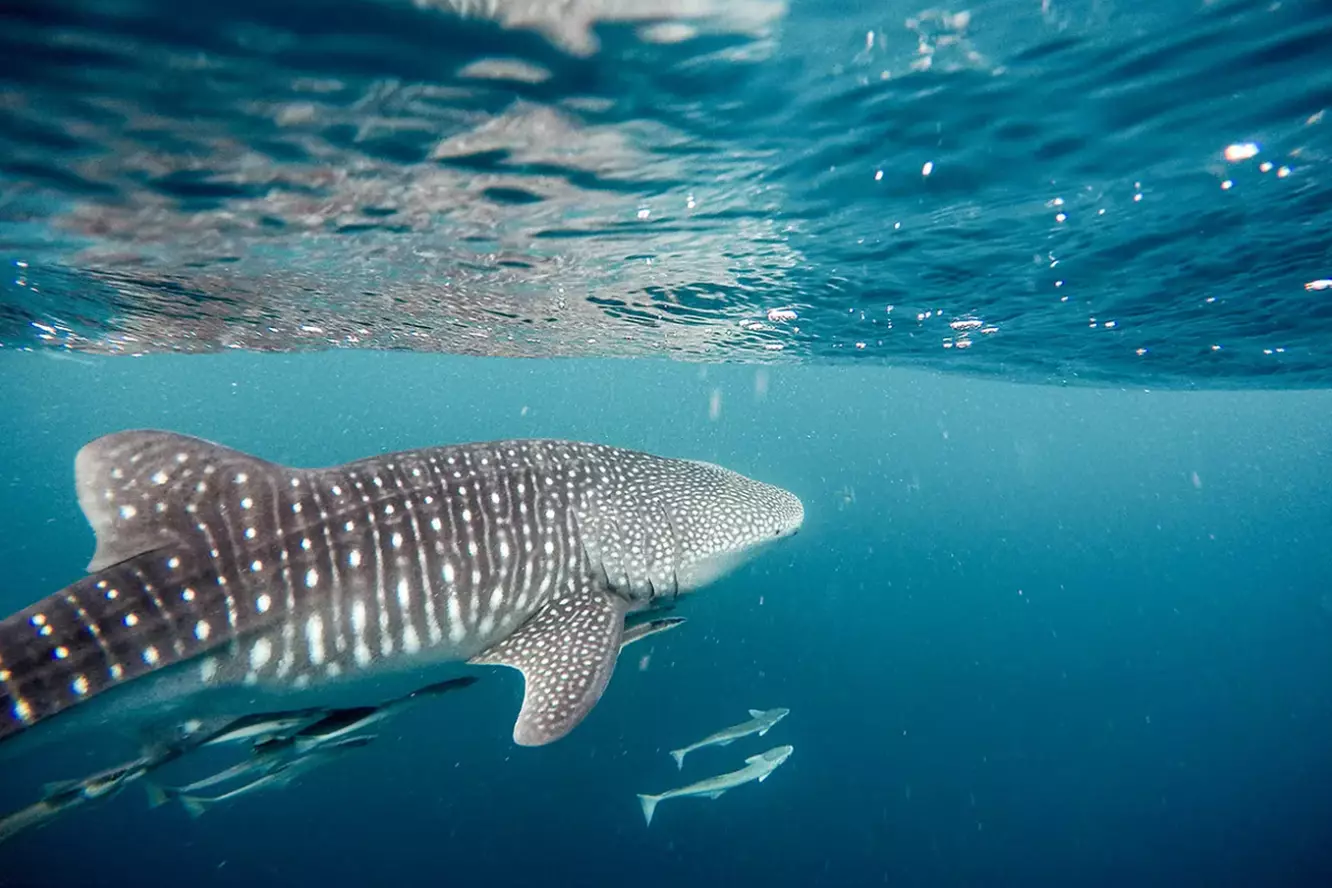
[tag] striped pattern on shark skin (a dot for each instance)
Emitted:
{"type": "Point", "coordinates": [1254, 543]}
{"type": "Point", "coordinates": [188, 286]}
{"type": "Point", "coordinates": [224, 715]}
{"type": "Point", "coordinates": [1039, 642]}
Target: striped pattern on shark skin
{"type": "Point", "coordinates": [267, 574]}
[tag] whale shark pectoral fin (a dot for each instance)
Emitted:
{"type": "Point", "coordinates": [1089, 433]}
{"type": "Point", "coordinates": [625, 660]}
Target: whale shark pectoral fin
{"type": "Point", "coordinates": [566, 654]}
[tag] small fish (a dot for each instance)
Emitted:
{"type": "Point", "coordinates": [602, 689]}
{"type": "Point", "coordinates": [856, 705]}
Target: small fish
{"type": "Point", "coordinates": [640, 631]}
{"type": "Point", "coordinates": [281, 775]}
{"type": "Point", "coordinates": [69, 794]}
{"type": "Point", "coordinates": [340, 723]}
{"type": "Point", "coordinates": [262, 727]}
{"type": "Point", "coordinates": [39, 813]}
{"type": "Point", "coordinates": [274, 748]}
{"type": "Point", "coordinates": [273, 755]}
{"type": "Point", "coordinates": [760, 722]}
{"type": "Point", "coordinates": [757, 767]}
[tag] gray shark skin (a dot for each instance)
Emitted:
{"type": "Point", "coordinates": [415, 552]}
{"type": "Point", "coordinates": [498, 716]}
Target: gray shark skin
{"type": "Point", "coordinates": [216, 571]}
{"type": "Point", "coordinates": [757, 767]}
{"type": "Point", "coordinates": [760, 722]}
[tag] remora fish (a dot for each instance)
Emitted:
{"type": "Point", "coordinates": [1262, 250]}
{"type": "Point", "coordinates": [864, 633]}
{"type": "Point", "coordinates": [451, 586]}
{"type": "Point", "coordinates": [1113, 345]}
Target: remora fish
{"type": "Point", "coordinates": [757, 767]}
{"type": "Point", "coordinates": [273, 745]}
{"type": "Point", "coordinates": [640, 631]}
{"type": "Point", "coordinates": [262, 761]}
{"type": "Point", "coordinates": [341, 722]}
{"type": "Point", "coordinates": [280, 775]}
{"type": "Point", "coordinates": [229, 580]}
{"type": "Point", "coordinates": [760, 722]}
{"type": "Point", "coordinates": [66, 795]}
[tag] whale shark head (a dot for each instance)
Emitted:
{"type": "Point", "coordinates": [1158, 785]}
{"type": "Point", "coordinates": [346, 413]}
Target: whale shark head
{"type": "Point", "coordinates": [659, 527]}
{"type": "Point", "coordinates": [725, 520]}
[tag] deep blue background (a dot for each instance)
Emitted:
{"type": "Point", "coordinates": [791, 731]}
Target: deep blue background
{"type": "Point", "coordinates": [1029, 635]}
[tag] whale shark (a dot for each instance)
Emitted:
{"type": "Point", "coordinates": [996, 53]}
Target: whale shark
{"type": "Point", "coordinates": [223, 583]}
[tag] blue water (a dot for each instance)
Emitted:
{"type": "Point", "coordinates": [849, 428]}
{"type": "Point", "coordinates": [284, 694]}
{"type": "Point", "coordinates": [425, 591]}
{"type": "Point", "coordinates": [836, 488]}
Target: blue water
{"type": "Point", "coordinates": [1029, 635]}
{"type": "Point", "coordinates": [1029, 301]}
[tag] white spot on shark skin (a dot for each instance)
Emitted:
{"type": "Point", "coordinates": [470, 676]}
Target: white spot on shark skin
{"type": "Point", "coordinates": [128, 511]}
{"type": "Point", "coordinates": [448, 573]}
{"type": "Point", "coordinates": [404, 594]}
{"type": "Point", "coordinates": [410, 642]}
{"type": "Point", "coordinates": [311, 578]}
{"type": "Point", "coordinates": [151, 656]}
{"type": "Point", "coordinates": [305, 544]}
{"type": "Point", "coordinates": [256, 565]}
{"type": "Point", "coordinates": [202, 630]}
{"type": "Point", "coordinates": [314, 637]}
{"type": "Point", "coordinates": [247, 503]}
{"type": "Point", "coordinates": [260, 653]}
{"type": "Point", "coordinates": [208, 669]}
{"type": "Point", "coordinates": [397, 540]}
{"type": "Point", "coordinates": [436, 525]}
{"type": "Point", "coordinates": [131, 619]}
{"type": "Point", "coordinates": [457, 631]}
{"type": "Point", "coordinates": [117, 671]}
{"type": "Point", "coordinates": [296, 507]}
{"type": "Point", "coordinates": [354, 558]}
{"type": "Point", "coordinates": [249, 533]}
{"type": "Point", "coordinates": [187, 594]}
{"type": "Point", "coordinates": [263, 603]}
{"type": "Point", "coordinates": [242, 478]}
{"type": "Point", "coordinates": [80, 685]}
{"type": "Point", "coordinates": [61, 652]}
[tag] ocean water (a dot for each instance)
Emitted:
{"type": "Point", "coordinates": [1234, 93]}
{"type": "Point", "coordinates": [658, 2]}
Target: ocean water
{"type": "Point", "coordinates": [1028, 635]}
{"type": "Point", "coordinates": [1029, 302]}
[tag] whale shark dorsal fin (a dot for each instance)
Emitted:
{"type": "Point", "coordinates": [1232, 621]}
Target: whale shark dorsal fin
{"type": "Point", "coordinates": [755, 759]}
{"type": "Point", "coordinates": [132, 487]}
{"type": "Point", "coordinates": [566, 654]}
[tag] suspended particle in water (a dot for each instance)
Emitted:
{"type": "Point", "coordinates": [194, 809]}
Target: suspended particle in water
{"type": "Point", "coordinates": [760, 384]}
